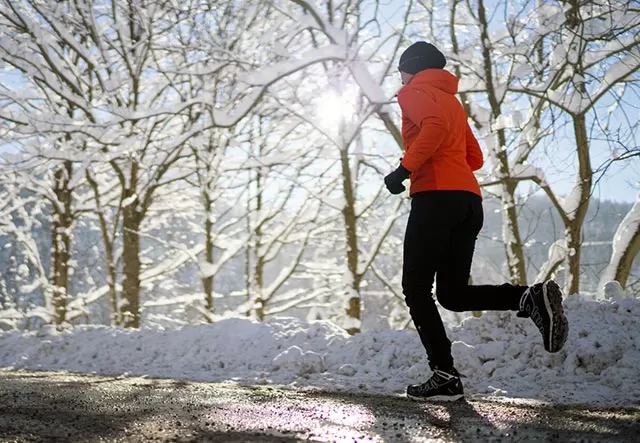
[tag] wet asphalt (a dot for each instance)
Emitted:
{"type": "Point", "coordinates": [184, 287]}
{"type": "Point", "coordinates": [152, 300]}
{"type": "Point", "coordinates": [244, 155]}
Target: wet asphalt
{"type": "Point", "coordinates": [44, 406]}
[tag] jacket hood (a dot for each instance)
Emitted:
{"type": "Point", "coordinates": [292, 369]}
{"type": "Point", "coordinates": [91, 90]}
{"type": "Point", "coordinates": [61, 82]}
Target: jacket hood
{"type": "Point", "coordinates": [437, 78]}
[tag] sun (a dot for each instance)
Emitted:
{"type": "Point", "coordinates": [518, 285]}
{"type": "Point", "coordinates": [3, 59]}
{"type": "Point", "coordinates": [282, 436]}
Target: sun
{"type": "Point", "coordinates": [335, 110]}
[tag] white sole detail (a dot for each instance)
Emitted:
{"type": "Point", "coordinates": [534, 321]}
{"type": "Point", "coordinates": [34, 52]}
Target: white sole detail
{"type": "Point", "coordinates": [437, 397]}
{"type": "Point", "coordinates": [547, 305]}
{"type": "Point", "coordinates": [559, 325]}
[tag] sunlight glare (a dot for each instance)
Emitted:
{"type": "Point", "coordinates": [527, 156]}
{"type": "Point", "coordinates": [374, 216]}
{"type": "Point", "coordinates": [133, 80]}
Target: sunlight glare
{"type": "Point", "coordinates": [334, 110]}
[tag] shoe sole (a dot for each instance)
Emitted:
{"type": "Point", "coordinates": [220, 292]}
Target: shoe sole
{"type": "Point", "coordinates": [437, 397]}
{"type": "Point", "coordinates": [558, 324]}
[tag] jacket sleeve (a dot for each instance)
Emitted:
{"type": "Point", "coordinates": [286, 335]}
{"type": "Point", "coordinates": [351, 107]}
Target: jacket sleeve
{"type": "Point", "coordinates": [422, 111]}
{"type": "Point", "coordinates": [474, 154]}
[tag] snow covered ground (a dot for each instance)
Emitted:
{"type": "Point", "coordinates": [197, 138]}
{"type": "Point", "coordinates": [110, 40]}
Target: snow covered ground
{"type": "Point", "coordinates": [498, 354]}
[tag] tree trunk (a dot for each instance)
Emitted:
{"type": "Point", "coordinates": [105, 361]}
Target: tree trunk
{"type": "Point", "coordinates": [353, 308]}
{"type": "Point", "coordinates": [258, 286]}
{"type": "Point", "coordinates": [108, 251]}
{"type": "Point", "coordinates": [131, 221]}
{"type": "Point", "coordinates": [61, 242]}
{"type": "Point", "coordinates": [511, 235]}
{"type": "Point", "coordinates": [116, 319]}
{"type": "Point", "coordinates": [576, 218]}
{"type": "Point", "coordinates": [258, 258]}
{"type": "Point", "coordinates": [623, 270]}
{"type": "Point", "coordinates": [626, 246]}
{"type": "Point", "coordinates": [207, 282]}
{"type": "Point", "coordinates": [130, 309]}
{"type": "Point", "coordinates": [511, 231]}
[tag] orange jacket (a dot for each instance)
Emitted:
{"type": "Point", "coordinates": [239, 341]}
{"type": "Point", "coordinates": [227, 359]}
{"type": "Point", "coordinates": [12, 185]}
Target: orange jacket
{"type": "Point", "coordinates": [440, 150]}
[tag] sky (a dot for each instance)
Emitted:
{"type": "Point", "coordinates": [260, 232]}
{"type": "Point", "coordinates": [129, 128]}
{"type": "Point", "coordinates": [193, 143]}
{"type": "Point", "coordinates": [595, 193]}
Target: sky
{"type": "Point", "coordinates": [498, 354]}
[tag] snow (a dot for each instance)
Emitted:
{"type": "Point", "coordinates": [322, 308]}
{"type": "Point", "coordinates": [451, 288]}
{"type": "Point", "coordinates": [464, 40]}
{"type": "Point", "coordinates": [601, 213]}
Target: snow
{"type": "Point", "coordinates": [369, 86]}
{"type": "Point", "coordinates": [618, 71]}
{"type": "Point", "coordinates": [498, 354]}
{"type": "Point", "coordinates": [622, 239]}
{"type": "Point", "coordinates": [528, 170]}
{"type": "Point", "coordinates": [267, 75]}
{"type": "Point", "coordinates": [571, 203]}
{"type": "Point", "coordinates": [557, 254]}
{"type": "Point", "coordinates": [612, 289]}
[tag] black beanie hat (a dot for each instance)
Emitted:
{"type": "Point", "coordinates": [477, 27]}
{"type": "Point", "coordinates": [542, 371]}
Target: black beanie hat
{"type": "Point", "coordinates": [420, 56]}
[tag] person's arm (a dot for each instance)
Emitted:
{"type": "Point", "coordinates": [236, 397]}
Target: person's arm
{"type": "Point", "coordinates": [422, 111]}
{"type": "Point", "coordinates": [474, 154]}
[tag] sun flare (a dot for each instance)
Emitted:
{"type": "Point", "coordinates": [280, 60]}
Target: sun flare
{"type": "Point", "coordinates": [334, 110]}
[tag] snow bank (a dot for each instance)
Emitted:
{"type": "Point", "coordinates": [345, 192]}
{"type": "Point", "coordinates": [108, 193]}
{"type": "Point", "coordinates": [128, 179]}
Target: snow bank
{"type": "Point", "coordinates": [498, 354]}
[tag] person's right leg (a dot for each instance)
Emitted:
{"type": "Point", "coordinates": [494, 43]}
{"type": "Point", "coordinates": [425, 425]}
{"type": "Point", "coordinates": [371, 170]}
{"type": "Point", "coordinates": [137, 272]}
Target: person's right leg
{"type": "Point", "coordinates": [427, 237]}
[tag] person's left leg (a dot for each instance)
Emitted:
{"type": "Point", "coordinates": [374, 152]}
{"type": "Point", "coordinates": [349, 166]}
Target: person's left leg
{"type": "Point", "coordinates": [542, 302]}
{"type": "Point", "coordinates": [452, 279]}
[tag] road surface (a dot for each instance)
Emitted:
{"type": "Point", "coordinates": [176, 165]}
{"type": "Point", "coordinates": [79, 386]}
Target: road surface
{"type": "Point", "coordinates": [43, 406]}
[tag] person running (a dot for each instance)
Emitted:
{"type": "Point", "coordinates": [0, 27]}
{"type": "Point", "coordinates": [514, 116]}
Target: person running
{"type": "Point", "coordinates": [446, 216]}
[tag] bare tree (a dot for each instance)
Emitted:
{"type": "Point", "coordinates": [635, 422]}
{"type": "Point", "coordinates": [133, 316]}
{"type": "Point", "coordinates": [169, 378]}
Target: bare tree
{"type": "Point", "coordinates": [485, 79]}
{"type": "Point", "coordinates": [331, 32]}
{"type": "Point", "coordinates": [20, 214]}
{"type": "Point", "coordinates": [42, 52]}
{"type": "Point", "coordinates": [124, 107]}
{"type": "Point", "coordinates": [571, 79]}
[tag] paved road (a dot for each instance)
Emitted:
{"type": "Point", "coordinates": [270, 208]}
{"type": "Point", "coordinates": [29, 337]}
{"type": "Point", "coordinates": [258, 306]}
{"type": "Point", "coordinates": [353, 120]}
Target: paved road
{"type": "Point", "coordinates": [39, 406]}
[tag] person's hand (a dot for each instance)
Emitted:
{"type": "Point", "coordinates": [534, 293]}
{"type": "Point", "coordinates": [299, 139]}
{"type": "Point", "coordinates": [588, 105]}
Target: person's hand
{"type": "Point", "coordinates": [394, 180]}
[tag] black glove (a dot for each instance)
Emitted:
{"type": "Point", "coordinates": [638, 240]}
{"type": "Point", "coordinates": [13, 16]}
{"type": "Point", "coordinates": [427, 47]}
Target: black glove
{"type": "Point", "coordinates": [393, 181]}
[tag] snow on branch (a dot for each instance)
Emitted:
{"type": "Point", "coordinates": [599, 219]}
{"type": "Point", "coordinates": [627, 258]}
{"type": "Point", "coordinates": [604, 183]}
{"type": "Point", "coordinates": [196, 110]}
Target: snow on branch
{"type": "Point", "coordinates": [626, 235]}
{"type": "Point", "coordinates": [518, 172]}
{"type": "Point", "coordinates": [571, 203]}
{"type": "Point", "coordinates": [557, 254]}
{"type": "Point", "coordinates": [528, 172]}
{"type": "Point", "coordinates": [171, 264]}
{"type": "Point", "coordinates": [268, 75]}
{"type": "Point", "coordinates": [370, 88]}
{"type": "Point", "coordinates": [620, 70]}
{"type": "Point", "coordinates": [336, 36]}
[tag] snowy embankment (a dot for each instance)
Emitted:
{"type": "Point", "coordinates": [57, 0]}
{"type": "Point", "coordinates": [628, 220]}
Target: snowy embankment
{"type": "Point", "coordinates": [498, 354]}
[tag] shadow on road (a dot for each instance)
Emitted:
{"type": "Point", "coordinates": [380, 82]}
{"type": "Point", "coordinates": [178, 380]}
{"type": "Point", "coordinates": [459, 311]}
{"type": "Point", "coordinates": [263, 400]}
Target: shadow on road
{"type": "Point", "coordinates": [494, 419]}
{"type": "Point", "coordinates": [62, 407]}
